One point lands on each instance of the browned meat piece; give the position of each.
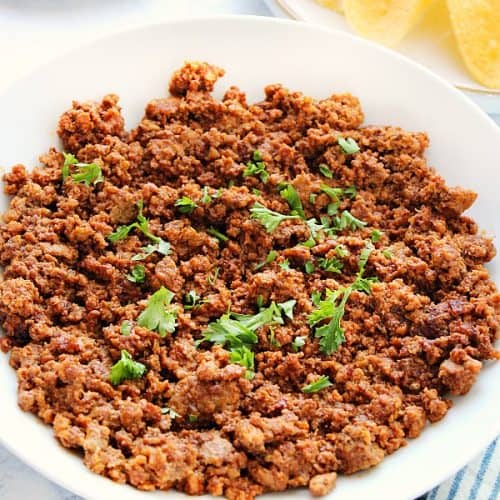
(90, 122)
(322, 484)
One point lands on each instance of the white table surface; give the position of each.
(33, 31)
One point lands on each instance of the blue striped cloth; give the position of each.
(478, 480)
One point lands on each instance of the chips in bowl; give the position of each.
(476, 26)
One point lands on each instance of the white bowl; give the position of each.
(465, 149)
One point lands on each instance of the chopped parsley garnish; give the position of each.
(245, 357)
(290, 194)
(298, 343)
(256, 192)
(257, 155)
(69, 160)
(237, 331)
(332, 308)
(351, 191)
(141, 223)
(334, 193)
(137, 274)
(220, 236)
(192, 300)
(162, 247)
(309, 267)
(376, 235)
(331, 335)
(322, 383)
(259, 301)
(285, 265)
(316, 297)
(330, 265)
(256, 167)
(212, 278)
(333, 208)
(387, 253)
(287, 307)
(269, 218)
(325, 171)
(271, 257)
(192, 419)
(185, 205)
(126, 328)
(349, 146)
(341, 251)
(126, 368)
(87, 173)
(312, 198)
(348, 221)
(158, 316)
(205, 197)
(170, 412)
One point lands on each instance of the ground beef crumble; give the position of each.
(423, 332)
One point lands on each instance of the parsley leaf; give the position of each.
(237, 331)
(316, 297)
(330, 265)
(137, 274)
(325, 171)
(312, 198)
(351, 191)
(387, 253)
(227, 330)
(309, 267)
(376, 235)
(87, 173)
(205, 198)
(220, 236)
(269, 218)
(285, 265)
(256, 167)
(126, 368)
(322, 383)
(245, 357)
(289, 193)
(192, 300)
(126, 328)
(287, 307)
(162, 247)
(121, 233)
(341, 251)
(331, 335)
(185, 205)
(142, 224)
(334, 193)
(69, 160)
(170, 412)
(158, 316)
(348, 221)
(271, 257)
(349, 146)
(212, 278)
(298, 343)
(332, 308)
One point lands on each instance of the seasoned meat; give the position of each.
(237, 298)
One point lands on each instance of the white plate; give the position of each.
(430, 43)
(256, 51)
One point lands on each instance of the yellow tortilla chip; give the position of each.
(476, 24)
(335, 5)
(385, 21)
